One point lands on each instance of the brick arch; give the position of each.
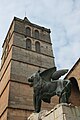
(28, 44)
(75, 93)
(37, 47)
(28, 31)
(36, 34)
(74, 83)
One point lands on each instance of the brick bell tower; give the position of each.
(26, 49)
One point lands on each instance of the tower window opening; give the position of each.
(37, 34)
(28, 44)
(28, 31)
(37, 46)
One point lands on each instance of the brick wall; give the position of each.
(74, 76)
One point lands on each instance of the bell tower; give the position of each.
(26, 49)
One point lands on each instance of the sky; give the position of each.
(61, 16)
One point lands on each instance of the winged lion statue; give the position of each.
(47, 84)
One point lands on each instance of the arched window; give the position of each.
(28, 44)
(37, 34)
(37, 47)
(74, 84)
(75, 92)
(28, 31)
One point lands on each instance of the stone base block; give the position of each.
(59, 112)
(38, 116)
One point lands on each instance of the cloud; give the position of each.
(61, 16)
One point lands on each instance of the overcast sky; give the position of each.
(61, 16)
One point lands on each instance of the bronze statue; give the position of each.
(47, 84)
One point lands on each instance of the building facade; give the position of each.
(26, 49)
(74, 77)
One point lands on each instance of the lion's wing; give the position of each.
(57, 74)
(47, 74)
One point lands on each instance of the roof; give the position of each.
(72, 68)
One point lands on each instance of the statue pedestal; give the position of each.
(38, 116)
(33, 116)
(60, 112)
